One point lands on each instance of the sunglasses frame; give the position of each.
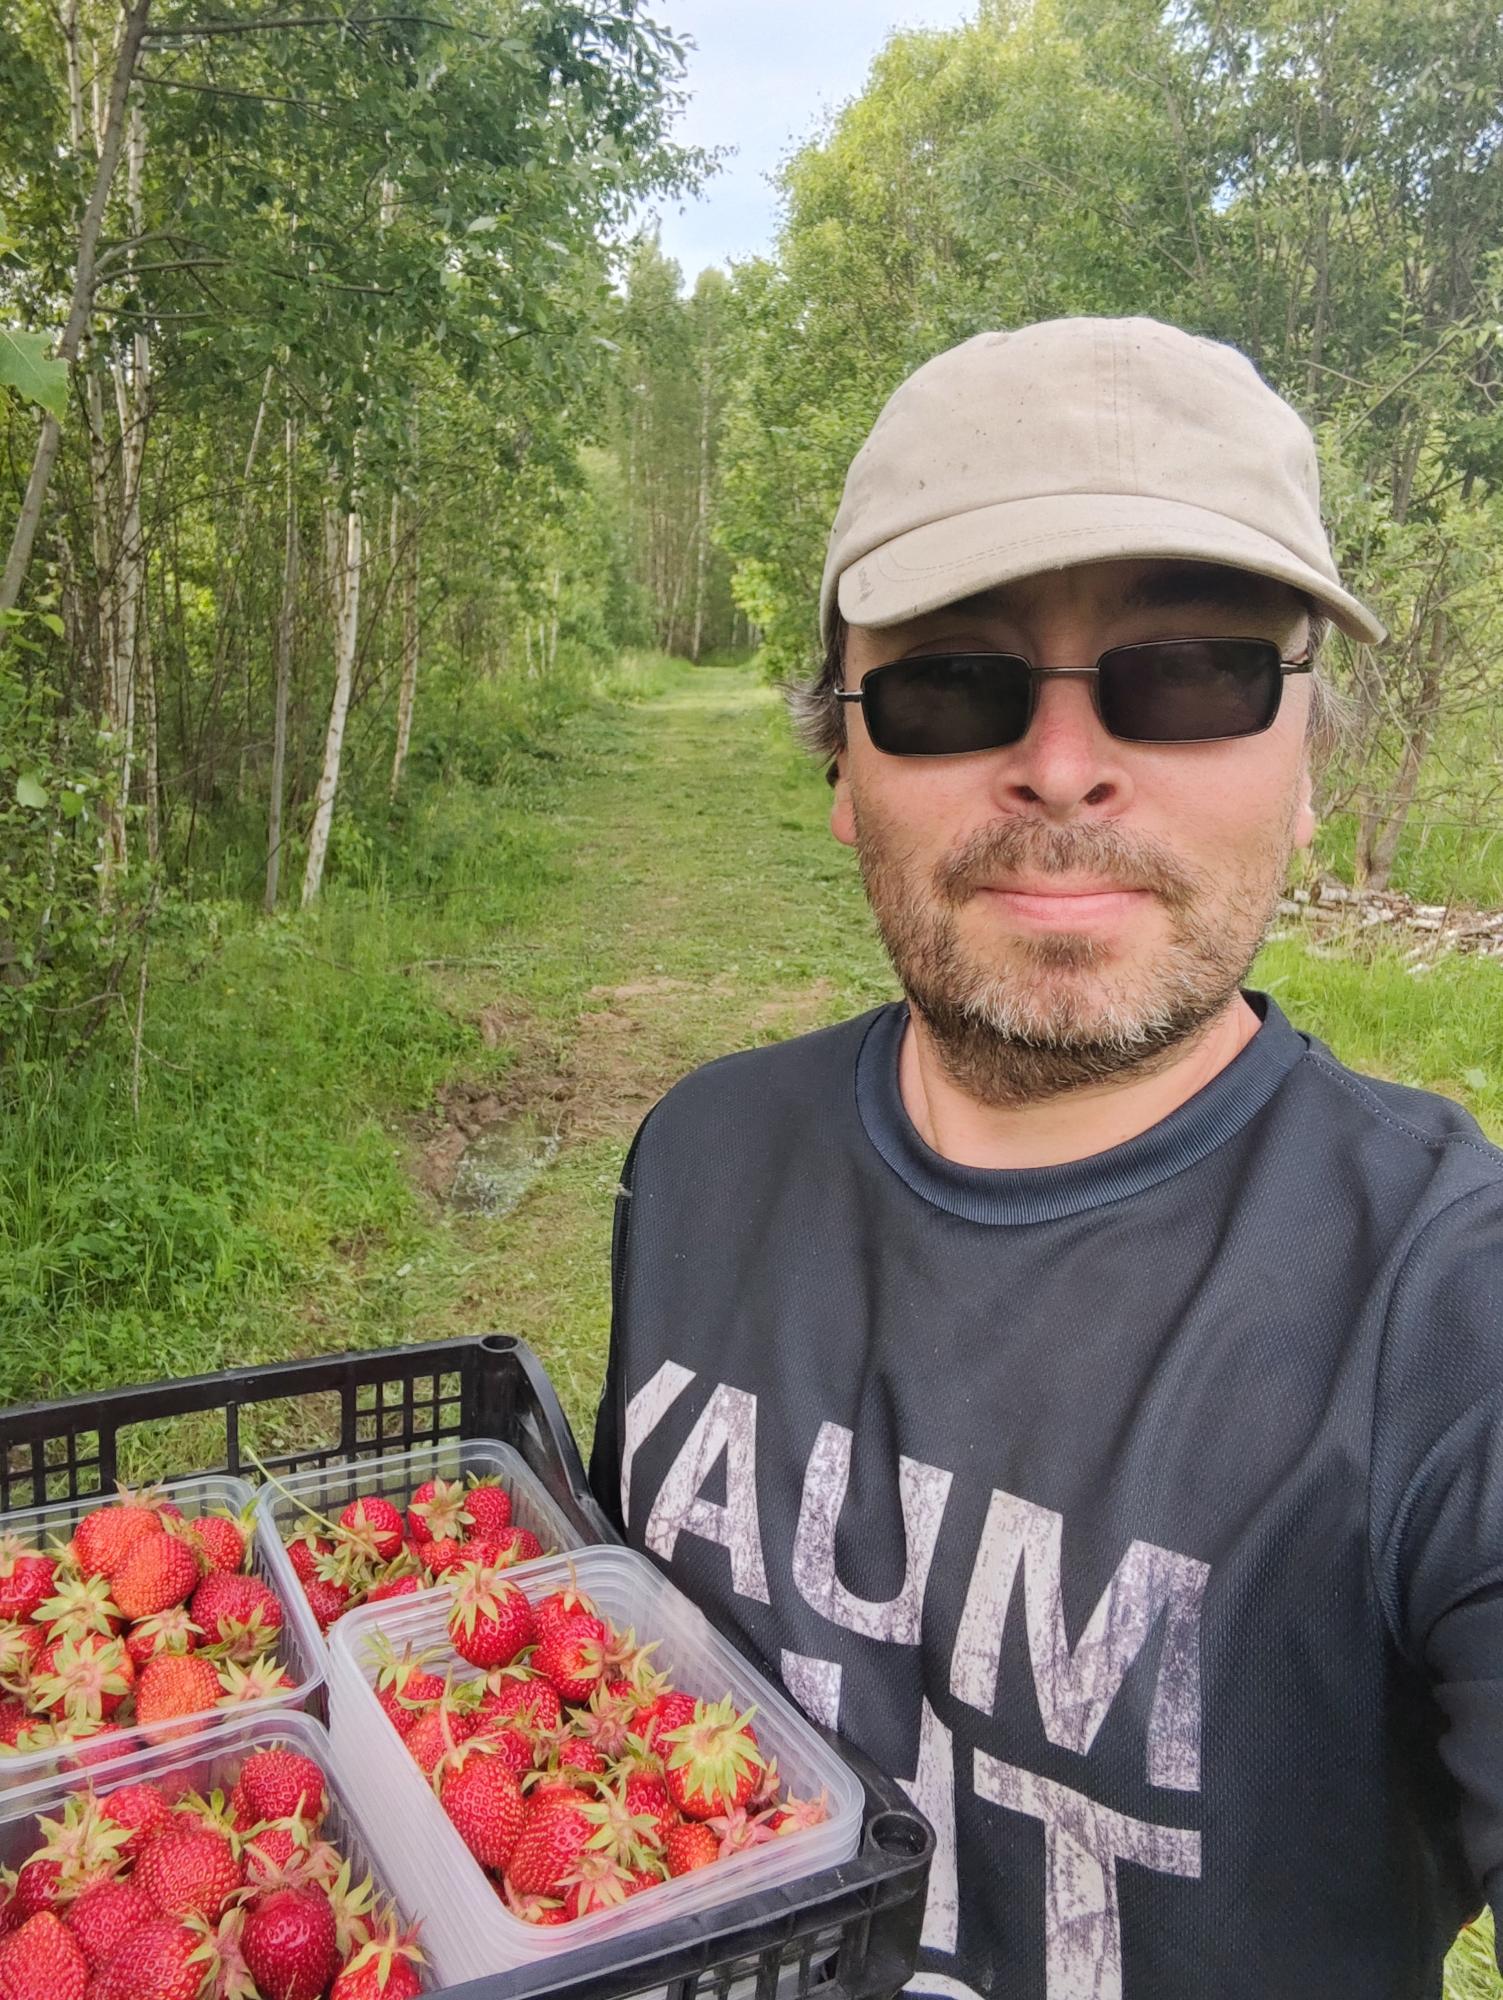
(1302, 663)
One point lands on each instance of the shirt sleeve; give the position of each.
(1438, 1501)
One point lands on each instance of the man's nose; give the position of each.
(1067, 763)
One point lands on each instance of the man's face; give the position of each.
(1073, 907)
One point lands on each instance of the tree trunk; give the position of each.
(702, 512)
(110, 138)
(407, 692)
(1380, 831)
(345, 550)
(284, 678)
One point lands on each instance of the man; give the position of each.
(1076, 1384)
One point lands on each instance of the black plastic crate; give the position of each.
(850, 1933)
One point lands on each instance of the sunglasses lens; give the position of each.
(942, 704)
(1190, 690)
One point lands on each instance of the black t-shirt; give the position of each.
(1143, 1516)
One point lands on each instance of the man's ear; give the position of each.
(842, 811)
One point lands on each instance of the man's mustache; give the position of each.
(1029, 848)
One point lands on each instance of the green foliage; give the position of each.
(27, 368)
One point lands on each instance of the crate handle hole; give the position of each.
(902, 1835)
(499, 1343)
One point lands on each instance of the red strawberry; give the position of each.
(689, 1845)
(327, 1601)
(373, 1528)
(160, 1571)
(103, 1540)
(647, 1798)
(491, 1620)
(436, 1511)
(171, 1631)
(596, 1882)
(397, 1586)
(282, 1784)
(19, 1647)
(173, 1685)
(669, 1710)
(163, 1960)
(25, 1577)
(712, 1764)
(573, 1656)
(289, 1944)
(535, 1909)
(385, 1967)
(518, 1545)
(79, 1604)
(39, 1886)
(271, 1852)
(306, 1553)
(82, 1680)
(442, 1554)
(402, 1685)
(560, 1605)
(106, 1913)
(142, 1809)
(488, 1508)
(190, 1870)
(14, 1717)
(483, 1799)
(555, 1832)
(533, 1701)
(441, 1729)
(218, 1541)
(239, 1613)
(42, 1961)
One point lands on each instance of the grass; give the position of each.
(643, 886)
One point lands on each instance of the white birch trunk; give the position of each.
(345, 550)
(284, 678)
(407, 692)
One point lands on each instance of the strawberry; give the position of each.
(82, 1680)
(305, 1552)
(39, 1886)
(442, 1554)
(142, 1810)
(573, 1656)
(561, 1604)
(438, 1731)
(219, 1541)
(518, 1545)
(535, 1909)
(436, 1511)
(627, 1836)
(531, 1700)
(554, 1833)
(95, 1743)
(487, 1509)
(164, 1960)
(190, 1870)
(19, 1647)
(396, 1586)
(605, 1722)
(385, 1967)
(25, 1577)
(402, 1685)
(491, 1620)
(160, 1571)
(483, 1799)
(372, 1528)
(712, 1764)
(647, 1798)
(281, 1784)
(689, 1845)
(793, 1815)
(79, 1604)
(595, 1882)
(173, 1685)
(239, 1614)
(668, 1710)
(42, 1961)
(104, 1914)
(170, 1631)
(327, 1601)
(277, 1853)
(289, 1944)
(103, 1540)
(258, 1680)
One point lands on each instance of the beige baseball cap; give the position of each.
(1078, 441)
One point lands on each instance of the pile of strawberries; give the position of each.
(375, 1550)
(142, 1617)
(152, 1892)
(576, 1775)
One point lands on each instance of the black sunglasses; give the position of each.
(1164, 691)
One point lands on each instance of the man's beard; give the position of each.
(1049, 1013)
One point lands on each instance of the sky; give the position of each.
(760, 78)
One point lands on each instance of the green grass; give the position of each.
(640, 885)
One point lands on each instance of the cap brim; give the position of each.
(943, 561)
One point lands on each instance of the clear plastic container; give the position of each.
(299, 1647)
(468, 1929)
(206, 1763)
(329, 1489)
